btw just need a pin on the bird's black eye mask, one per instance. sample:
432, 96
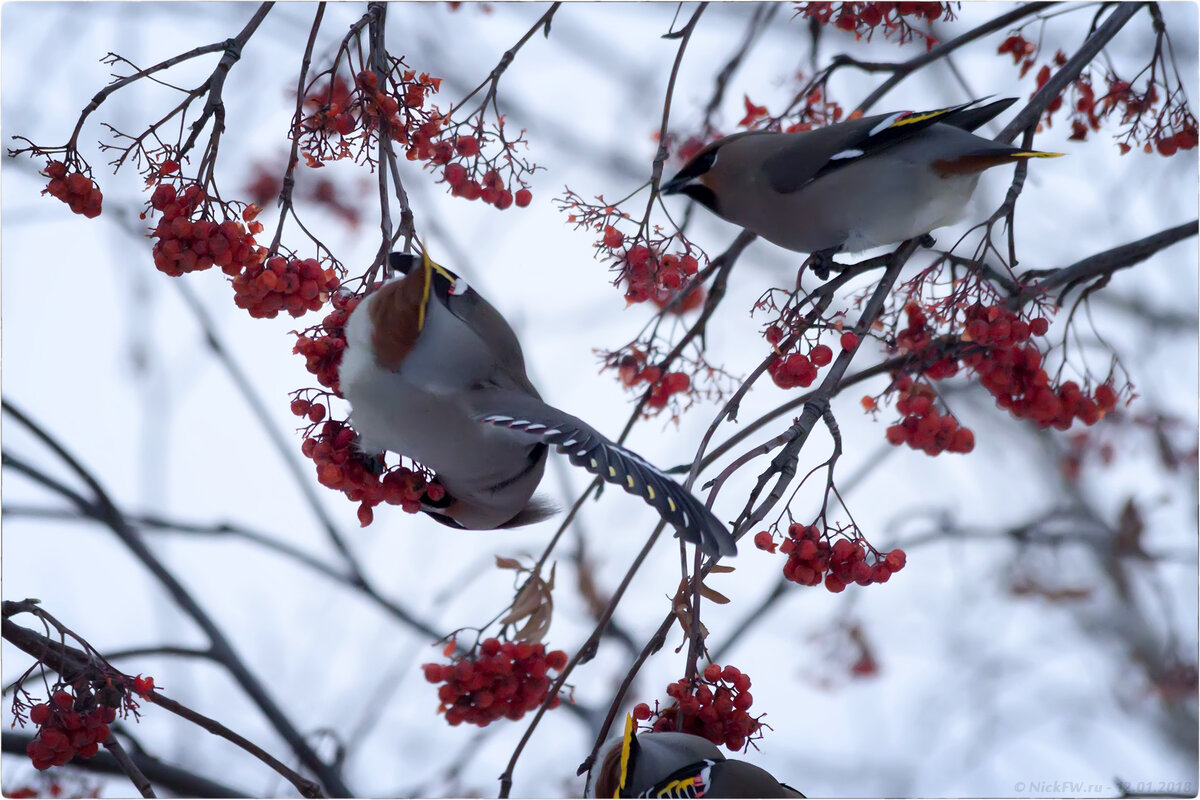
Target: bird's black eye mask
685, 181
403, 262
445, 282
702, 195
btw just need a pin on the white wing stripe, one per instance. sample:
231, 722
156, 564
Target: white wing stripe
886, 123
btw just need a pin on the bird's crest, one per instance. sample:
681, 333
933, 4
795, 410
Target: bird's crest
427, 266
628, 751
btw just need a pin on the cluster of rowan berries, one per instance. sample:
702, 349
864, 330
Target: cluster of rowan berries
923, 427
811, 559
426, 134
1183, 139
186, 245
645, 270
714, 705
74, 188
332, 103
66, 731
341, 110
1011, 369
490, 188
1173, 128
341, 466
651, 276
502, 680
797, 369
290, 284
864, 18
632, 370
918, 336
322, 345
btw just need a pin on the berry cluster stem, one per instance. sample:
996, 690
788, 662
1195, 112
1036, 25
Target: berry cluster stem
1032, 112
289, 177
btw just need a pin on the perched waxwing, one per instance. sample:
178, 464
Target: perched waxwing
433, 372
853, 185
673, 764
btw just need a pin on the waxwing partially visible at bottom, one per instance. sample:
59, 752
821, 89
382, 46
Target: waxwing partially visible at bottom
671, 764
433, 372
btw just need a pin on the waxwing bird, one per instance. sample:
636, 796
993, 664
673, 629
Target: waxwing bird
433, 372
673, 764
853, 185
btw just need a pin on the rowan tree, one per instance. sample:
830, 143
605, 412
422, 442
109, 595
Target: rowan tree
962, 470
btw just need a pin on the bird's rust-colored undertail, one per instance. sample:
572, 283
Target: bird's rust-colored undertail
395, 314
970, 164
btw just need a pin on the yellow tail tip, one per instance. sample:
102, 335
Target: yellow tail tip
1035, 154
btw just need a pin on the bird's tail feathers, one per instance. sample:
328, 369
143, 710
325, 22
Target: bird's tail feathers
973, 116
585, 447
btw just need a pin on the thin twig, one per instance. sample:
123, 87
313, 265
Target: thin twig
126, 763
1028, 116
289, 176
179, 781
902, 70
1107, 262
104, 510
67, 660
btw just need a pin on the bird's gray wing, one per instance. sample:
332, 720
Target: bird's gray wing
496, 334
815, 154
587, 448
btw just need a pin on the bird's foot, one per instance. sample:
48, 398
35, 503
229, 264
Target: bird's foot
373, 462
927, 240
821, 262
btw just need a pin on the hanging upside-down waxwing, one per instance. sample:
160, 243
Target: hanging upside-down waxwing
433, 372
671, 764
853, 185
